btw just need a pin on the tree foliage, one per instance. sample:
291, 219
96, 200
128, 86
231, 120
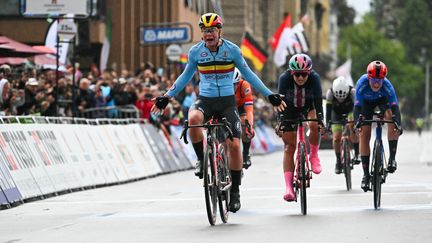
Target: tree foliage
415, 29
368, 44
345, 13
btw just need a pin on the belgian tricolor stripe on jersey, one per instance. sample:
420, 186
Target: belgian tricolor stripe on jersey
251, 50
216, 67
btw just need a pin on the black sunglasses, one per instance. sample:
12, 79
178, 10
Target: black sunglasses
298, 74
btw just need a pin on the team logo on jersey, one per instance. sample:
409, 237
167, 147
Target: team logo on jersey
204, 54
173, 87
238, 127
247, 91
225, 54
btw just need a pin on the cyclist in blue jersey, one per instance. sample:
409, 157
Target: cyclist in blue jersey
215, 58
374, 90
301, 86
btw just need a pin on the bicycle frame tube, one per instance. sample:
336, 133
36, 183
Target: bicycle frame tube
301, 139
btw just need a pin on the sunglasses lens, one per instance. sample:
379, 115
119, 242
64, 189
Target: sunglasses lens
376, 81
298, 74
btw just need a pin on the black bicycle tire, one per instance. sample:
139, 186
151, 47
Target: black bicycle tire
346, 163
224, 171
303, 178
211, 215
376, 175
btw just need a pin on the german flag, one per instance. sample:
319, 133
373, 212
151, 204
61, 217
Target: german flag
252, 51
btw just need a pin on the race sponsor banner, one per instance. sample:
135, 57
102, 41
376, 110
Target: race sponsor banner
99, 170
25, 167
273, 141
9, 192
186, 148
126, 155
258, 144
108, 153
159, 148
140, 143
102, 155
178, 152
3, 200
75, 153
166, 139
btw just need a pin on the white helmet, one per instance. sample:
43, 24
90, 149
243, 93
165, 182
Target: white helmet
340, 88
237, 76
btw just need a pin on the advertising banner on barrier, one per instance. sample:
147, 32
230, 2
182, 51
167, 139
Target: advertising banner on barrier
43, 148
186, 148
101, 155
25, 166
9, 192
129, 157
108, 153
76, 156
259, 144
178, 151
159, 148
142, 146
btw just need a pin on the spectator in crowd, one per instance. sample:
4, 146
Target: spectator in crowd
29, 106
144, 103
189, 99
85, 98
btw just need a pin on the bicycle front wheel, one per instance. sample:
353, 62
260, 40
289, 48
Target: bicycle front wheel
346, 160
210, 189
224, 184
376, 173
303, 178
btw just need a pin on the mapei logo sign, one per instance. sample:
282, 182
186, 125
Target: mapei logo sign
164, 35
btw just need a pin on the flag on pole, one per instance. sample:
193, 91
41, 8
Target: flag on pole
274, 41
106, 44
344, 70
292, 41
298, 31
51, 41
252, 51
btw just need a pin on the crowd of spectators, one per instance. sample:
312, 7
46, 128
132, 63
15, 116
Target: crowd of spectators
31, 91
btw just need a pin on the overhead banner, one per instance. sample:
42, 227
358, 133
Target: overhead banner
169, 33
55, 7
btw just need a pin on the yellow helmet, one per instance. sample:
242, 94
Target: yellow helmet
210, 20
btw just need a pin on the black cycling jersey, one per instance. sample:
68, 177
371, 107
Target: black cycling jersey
337, 107
304, 98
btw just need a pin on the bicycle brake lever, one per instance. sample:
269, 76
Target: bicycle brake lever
228, 128
184, 135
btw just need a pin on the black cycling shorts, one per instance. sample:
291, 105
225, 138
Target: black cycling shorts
367, 110
241, 110
292, 113
220, 106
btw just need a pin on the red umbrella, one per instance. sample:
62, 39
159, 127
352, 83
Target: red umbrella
13, 48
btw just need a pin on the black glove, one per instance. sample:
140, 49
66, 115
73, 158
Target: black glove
397, 124
275, 99
320, 118
357, 124
328, 127
161, 102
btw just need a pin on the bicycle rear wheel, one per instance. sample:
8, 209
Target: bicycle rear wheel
303, 178
224, 184
210, 189
346, 160
376, 173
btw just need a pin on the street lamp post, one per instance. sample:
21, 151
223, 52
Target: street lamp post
319, 10
427, 92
